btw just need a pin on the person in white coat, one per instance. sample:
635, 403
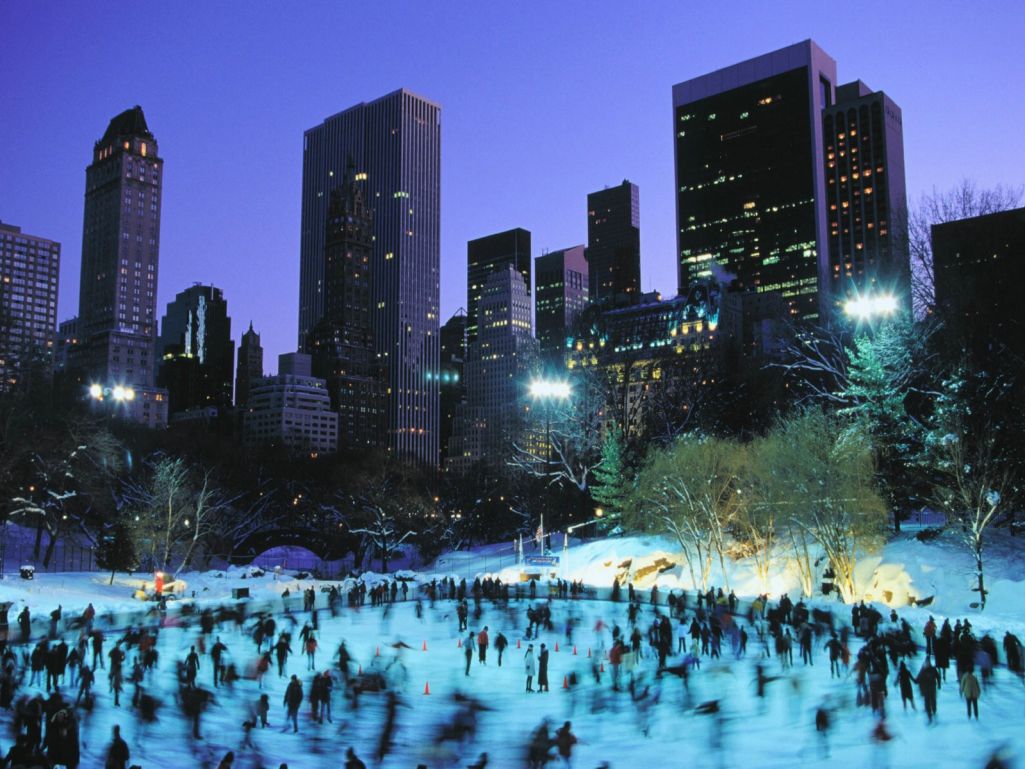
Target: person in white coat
530, 667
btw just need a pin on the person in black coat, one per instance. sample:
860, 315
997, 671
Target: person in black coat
118, 753
542, 670
928, 685
500, 643
904, 682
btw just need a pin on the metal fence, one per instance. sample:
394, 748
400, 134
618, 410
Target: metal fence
66, 556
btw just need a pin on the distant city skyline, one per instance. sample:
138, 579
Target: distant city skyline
231, 112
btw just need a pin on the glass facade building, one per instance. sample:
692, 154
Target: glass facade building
614, 245
749, 175
395, 145
484, 256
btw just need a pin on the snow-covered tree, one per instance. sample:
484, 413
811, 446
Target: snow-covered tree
975, 479
172, 510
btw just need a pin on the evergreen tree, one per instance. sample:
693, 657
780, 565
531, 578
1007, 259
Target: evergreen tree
116, 550
609, 486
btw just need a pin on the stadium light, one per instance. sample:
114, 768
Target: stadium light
543, 389
871, 306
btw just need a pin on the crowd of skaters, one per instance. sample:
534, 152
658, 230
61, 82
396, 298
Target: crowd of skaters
668, 637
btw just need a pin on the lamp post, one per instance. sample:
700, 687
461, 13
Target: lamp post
548, 391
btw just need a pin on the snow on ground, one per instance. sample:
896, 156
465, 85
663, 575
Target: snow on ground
609, 730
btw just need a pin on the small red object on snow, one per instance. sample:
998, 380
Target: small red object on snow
427, 688
565, 682
459, 643
589, 652
574, 650
378, 652
425, 646
556, 646
517, 643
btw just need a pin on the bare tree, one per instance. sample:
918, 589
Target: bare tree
170, 516
962, 202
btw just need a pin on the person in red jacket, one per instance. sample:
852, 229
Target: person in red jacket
482, 646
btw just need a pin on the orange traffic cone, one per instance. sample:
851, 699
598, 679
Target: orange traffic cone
602, 669
517, 643
574, 650
459, 643
427, 688
588, 652
556, 646
425, 646
378, 652
565, 682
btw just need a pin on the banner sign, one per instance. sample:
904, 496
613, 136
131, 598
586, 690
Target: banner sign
541, 560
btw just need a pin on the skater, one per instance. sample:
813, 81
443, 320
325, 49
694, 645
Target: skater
352, 761
293, 699
217, 657
500, 643
468, 651
970, 690
118, 753
564, 742
904, 682
482, 646
530, 666
542, 670
191, 667
928, 685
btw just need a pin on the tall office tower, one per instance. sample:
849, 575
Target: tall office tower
29, 269
250, 366
195, 351
867, 203
561, 293
484, 256
614, 245
342, 342
497, 362
395, 143
120, 241
979, 271
751, 189
453, 391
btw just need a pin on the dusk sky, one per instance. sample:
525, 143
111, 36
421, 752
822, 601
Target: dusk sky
541, 104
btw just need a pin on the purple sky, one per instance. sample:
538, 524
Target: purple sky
541, 104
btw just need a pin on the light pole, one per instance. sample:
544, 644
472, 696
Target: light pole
548, 391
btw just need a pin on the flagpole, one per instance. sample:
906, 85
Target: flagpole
542, 527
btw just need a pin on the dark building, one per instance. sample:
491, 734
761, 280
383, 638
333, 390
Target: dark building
196, 352
453, 356
250, 366
614, 245
492, 418
120, 256
751, 192
867, 204
29, 271
979, 266
342, 342
395, 144
484, 256
561, 292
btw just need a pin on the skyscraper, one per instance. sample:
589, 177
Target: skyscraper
614, 245
195, 351
561, 293
492, 416
751, 190
484, 256
250, 366
342, 342
395, 144
120, 249
29, 270
867, 204
979, 271
453, 390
